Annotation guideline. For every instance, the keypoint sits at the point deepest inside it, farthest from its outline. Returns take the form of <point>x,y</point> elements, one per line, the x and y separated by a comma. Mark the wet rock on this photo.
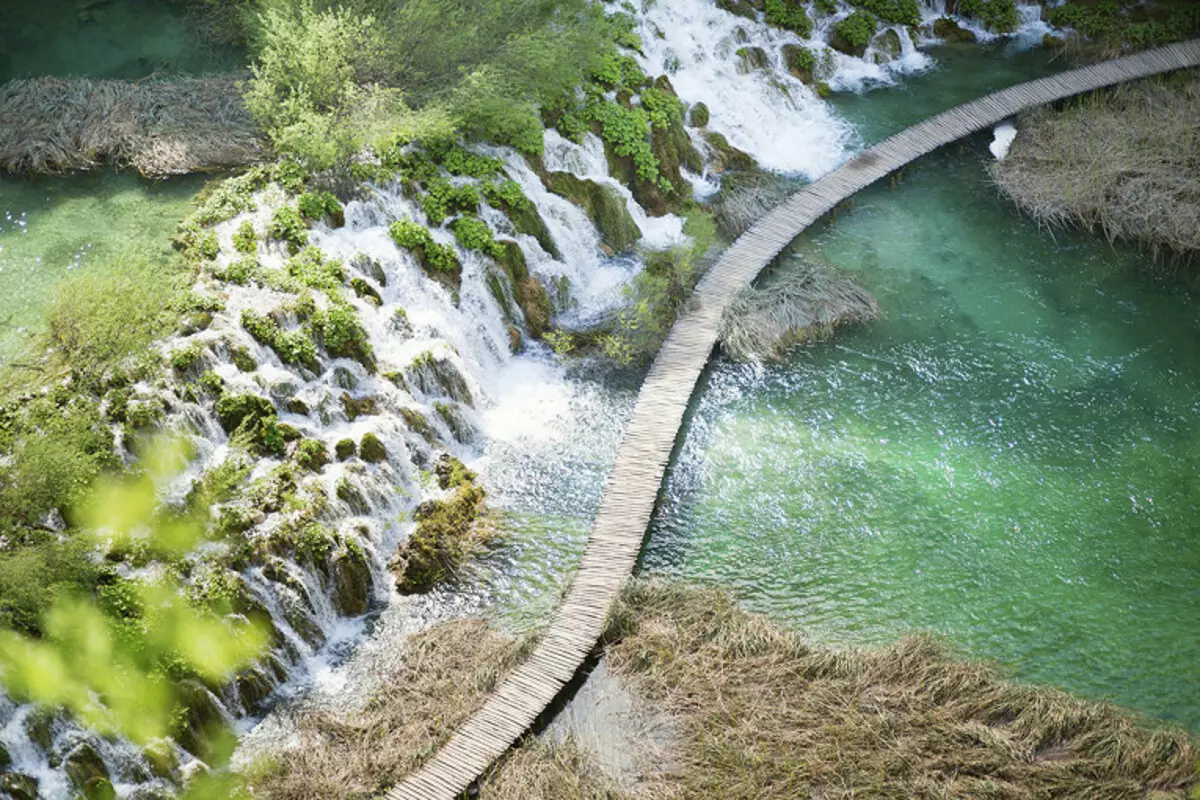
<point>39,727</point>
<point>345,449</point>
<point>87,773</point>
<point>356,407</point>
<point>400,325</point>
<point>514,339</point>
<point>253,687</point>
<point>203,715</point>
<point>18,786</point>
<point>162,758</point>
<point>5,758</point>
<point>436,375</point>
<point>724,156</point>
<point>887,46</point>
<point>462,431</point>
<point>752,58</point>
<point>741,8</point>
<point>352,582</point>
<point>344,378</point>
<point>698,115</point>
<point>349,494</point>
<point>297,406</point>
<point>369,267</point>
<point>951,32</point>
<point>366,291</point>
<point>242,359</point>
<point>371,449</point>
<point>618,231</point>
<point>419,425</point>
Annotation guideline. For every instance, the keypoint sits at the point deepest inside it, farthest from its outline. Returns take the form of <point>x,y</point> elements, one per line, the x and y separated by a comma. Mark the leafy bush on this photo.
<point>244,239</point>
<point>413,236</point>
<point>663,108</point>
<point>287,225</point>
<point>444,199</point>
<point>312,455</point>
<point>312,269</point>
<point>474,234</point>
<point>995,15</point>
<point>239,272</point>
<point>901,12</point>
<point>320,205</point>
<point>408,234</point>
<point>790,15</point>
<point>184,358</point>
<point>459,161</point>
<point>507,194</point>
<point>628,132</point>
<point>342,334</point>
<point>653,301</point>
<point>857,29</point>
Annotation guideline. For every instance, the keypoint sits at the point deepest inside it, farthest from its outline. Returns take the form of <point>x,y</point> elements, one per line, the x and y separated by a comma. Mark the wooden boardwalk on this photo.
<point>632,487</point>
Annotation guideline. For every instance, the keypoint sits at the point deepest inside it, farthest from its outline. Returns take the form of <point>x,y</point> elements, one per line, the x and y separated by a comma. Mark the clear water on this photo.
<point>52,226</point>
<point>128,39</point>
<point>1009,458</point>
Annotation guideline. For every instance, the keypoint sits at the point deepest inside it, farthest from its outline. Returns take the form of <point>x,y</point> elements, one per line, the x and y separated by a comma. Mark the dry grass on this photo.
<point>765,715</point>
<point>158,127</point>
<point>446,674</point>
<point>806,303</point>
<point>745,198</point>
<point>1126,161</point>
<point>548,770</point>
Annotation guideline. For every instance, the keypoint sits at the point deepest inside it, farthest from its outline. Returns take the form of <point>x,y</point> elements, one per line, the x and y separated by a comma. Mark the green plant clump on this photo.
<point>790,15</point>
<point>244,239</point>
<point>474,234</point>
<point>507,194</point>
<point>444,199</point>
<point>460,161</point>
<point>312,269</point>
<point>343,335</point>
<point>999,16</point>
<point>628,132</point>
<point>901,12</point>
<point>663,108</point>
<point>288,226</point>
<point>321,205</point>
<point>857,29</point>
<point>416,238</point>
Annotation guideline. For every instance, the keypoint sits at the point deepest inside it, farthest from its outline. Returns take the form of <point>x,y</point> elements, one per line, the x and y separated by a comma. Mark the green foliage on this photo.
<point>444,199</point>
<point>111,312</point>
<point>857,29</point>
<point>654,299</point>
<point>623,30</point>
<point>408,234</point>
<point>345,449</point>
<point>999,16</point>
<point>459,161</point>
<point>211,382</point>
<point>184,358</point>
<point>312,455</point>
<point>310,268</point>
<point>239,272</point>
<point>1113,22</point>
<point>371,449</point>
<point>292,346</point>
<point>225,199</point>
<point>663,108</point>
<point>319,205</point>
<point>251,419</point>
<point>33,575</point>
<point>244,239</point>
<point>790,15</point>
<point>109,663</point>
<point>507,195</point>
<point>901,12</point>
<point>804,60</point>
<point>826,6</point>
<point>447,533</point>
<point>474,234</point>
<point>616,70</point>
<point>287,225</point>
<point>628,132</point>
<point>414,236</point>
<point>343,335</point>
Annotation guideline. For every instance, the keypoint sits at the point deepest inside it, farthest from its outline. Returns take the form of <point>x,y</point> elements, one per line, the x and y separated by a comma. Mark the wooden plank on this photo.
<point>631,489</point>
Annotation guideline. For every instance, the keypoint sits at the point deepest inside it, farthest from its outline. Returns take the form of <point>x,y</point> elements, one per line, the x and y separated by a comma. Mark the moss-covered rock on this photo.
<point>741,8</point>
<point>452,415</point>
<point>419,425</point>
<point>724,157</point>
<point>951,32</point>
<point>253,686</point>
<point>527,220</point>
<point>241,358</point>
<point>350,573</point>
<point>202,717</point>
<point>528,292</point>
<point>618,231</point>
<point>356,407</point>
<point>447,533</point>
<point>345,449</point>
<point>371,449</point>
<point>297,406</point>
<point>5,758</point>
<point>366,291</point>
<point>698,115</point>
<point>18,786</point>
<point>852,34</point>
<point>887,46</point>
<point>369,267</point>
<point>801,62</point>
<point>87,773</point>
<point>751,59</point>
<point>437,376</point>
<point>311,454</point>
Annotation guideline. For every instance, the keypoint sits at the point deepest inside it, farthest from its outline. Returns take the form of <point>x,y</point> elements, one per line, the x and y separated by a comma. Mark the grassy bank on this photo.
<point>759,713</point>
<point>1124,161</point>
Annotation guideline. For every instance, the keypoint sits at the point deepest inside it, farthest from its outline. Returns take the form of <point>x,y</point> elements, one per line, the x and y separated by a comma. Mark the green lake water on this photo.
<point>1008,458</point>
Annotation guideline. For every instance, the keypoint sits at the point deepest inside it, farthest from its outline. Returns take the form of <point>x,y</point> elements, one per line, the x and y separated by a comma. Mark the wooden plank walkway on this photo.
<point>632,487</point>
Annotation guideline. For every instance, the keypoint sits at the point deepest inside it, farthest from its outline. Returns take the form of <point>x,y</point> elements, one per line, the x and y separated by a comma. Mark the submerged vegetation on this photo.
<point>1096,163</point>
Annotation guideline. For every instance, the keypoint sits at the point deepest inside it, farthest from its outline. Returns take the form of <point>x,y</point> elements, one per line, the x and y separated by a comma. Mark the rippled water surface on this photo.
<point>1009,458</point>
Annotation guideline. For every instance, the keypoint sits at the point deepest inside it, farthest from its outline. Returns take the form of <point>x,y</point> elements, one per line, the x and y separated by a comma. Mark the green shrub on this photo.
<point>444,199</point>
<point>342,334</point>
<point>790,15</point>
<point>653,301</point>
<point>628,132</point>
<point>312,455</point>
<point>459,161</point>
<point>32,576</point>
<point>663,108</point>
<point>288,226</point>
<point>857,29</point>
<point>310,268</point>
<point>507,195</point>
<point>184,358</point>
<point>826,6</point>
<point>294,347</point>
<point>999,16</point>
<point>901,12</point>
<point>433,256</point>
<point>252,420</point>
<point>474,234</point>
<point>616,70</point>
<point>244,239</point>
<point>321,205</point>
<point>239,272</point>
<point>211,382</point>
<point>408,234</point>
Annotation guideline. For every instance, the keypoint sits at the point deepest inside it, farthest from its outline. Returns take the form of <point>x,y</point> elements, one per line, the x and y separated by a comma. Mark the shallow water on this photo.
<point>52,226</point>
<point>1009,458</point>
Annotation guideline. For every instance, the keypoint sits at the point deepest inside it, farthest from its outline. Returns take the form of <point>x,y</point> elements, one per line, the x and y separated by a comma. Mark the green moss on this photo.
<point>288,226</point>
<point>789,15</point>
<point>311,268</point>
<point>999,16</point>
<point>447,533</point>
<point>241,358</point>
<point>245,240</point>
<point>474,234</point>
<point>315,206</point>
<point>212,383</point>
<point>342,335</point>
<point>698,115</point>
<point>312,455</point>
<point>365,291</point>
<point>826,6</point>
<point>294,347</point>
<point>345,449</point>
<point>371,449</point>
<point>901,12</point>
<point>252,419</point>
<point>185,358</point>
<point>605,207</point>
<point>240,272</point>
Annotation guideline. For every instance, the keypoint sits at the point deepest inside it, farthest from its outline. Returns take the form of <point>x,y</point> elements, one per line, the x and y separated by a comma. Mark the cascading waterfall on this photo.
<point>517,408</point>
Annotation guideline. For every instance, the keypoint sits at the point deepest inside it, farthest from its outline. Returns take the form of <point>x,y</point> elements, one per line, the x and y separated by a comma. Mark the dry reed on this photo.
<point>806,302</point>
<point>158,127</point>
<point>1125,160</point>
<point>445,675</point>
<point>745,198</point>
